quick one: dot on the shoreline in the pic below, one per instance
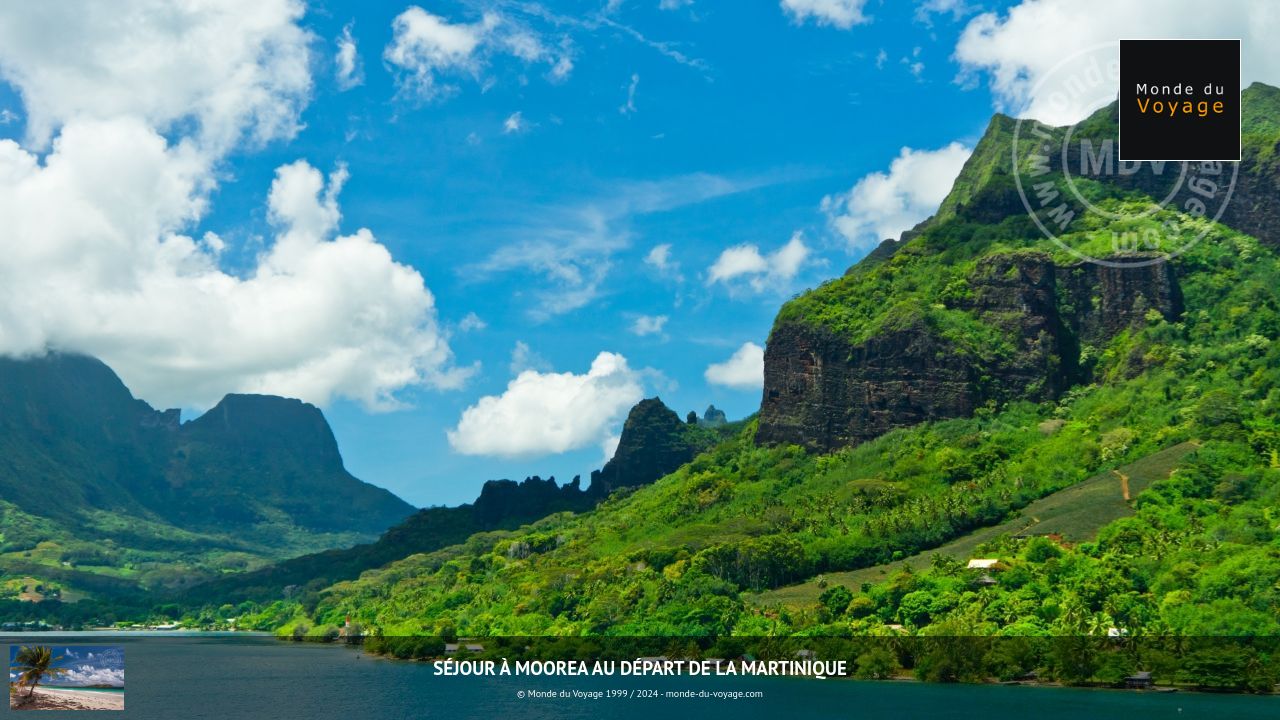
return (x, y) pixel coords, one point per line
(66, 699)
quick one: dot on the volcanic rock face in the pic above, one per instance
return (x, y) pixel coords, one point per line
(654, 442)
(823, 392)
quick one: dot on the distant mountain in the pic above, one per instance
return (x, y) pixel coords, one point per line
(93, 478)
(654, 442)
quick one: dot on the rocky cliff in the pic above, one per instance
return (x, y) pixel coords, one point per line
(823, 391)
(969, 307)
(654, 442)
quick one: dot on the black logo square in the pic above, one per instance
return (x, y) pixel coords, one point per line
(1179, 100)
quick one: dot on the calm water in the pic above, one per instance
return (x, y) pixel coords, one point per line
(229, 678)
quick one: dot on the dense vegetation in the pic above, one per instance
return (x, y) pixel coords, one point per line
(1200, 554)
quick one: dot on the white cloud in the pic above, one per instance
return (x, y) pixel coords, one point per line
(542, 413)
(1018, 50)
(86, 675)
(882, 205)
(513, 124)
(761, 271)
(881, 58)
(7, 116)
(425, 46)
(914, 64)
(843, 14)
(648, 325)
(429, 52)
(673, 4)
(348, 70)
(609, 447)
(235, 68)
(955, 8)
(659, 256)
(95, 255)
(572, 247)
(471, 322)
(744, 370)
(523, 358)
(629, 106)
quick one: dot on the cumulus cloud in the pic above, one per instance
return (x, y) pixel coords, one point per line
(543, 413)
(648, 325)
(843, 14)
(659, 257)
(96, 255)
(761, 271)
(233, 68)
(87, 675)
(744, 370)
(1017, 50)
(471, 322)
(514, 123)
(348, 70)
(429, 52)
(882, 205)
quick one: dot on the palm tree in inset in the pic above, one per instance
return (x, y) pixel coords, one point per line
(32, 663)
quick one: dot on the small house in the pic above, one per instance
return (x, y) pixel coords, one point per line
(983, 563)
(1139, 681)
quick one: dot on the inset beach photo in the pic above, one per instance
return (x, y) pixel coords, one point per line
(66, 677)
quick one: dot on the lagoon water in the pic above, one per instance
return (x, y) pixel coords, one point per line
(241, 677)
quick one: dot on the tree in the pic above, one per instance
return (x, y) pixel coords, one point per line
(32, 663)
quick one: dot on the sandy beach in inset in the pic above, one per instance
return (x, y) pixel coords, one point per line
(62, 699)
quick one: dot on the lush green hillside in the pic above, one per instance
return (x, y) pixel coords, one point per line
(101, 494)
(1196, 552)
(654, 442)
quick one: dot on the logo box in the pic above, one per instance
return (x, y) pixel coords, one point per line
(1180, 100)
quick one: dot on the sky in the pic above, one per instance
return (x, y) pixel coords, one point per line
(82, 665)
(476, 232)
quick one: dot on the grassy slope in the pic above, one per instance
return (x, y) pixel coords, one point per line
(1074, 514)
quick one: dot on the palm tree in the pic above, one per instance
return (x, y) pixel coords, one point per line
(33, 662)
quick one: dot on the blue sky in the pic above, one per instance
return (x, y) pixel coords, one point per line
(632, 186)
(82, 665)
(702, 128)
(792, 113)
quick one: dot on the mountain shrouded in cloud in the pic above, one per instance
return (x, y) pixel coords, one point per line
(97, 255)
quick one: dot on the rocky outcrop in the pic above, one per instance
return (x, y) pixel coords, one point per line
(504, 501)
(713, 417)
(654, 442)
(824, 392)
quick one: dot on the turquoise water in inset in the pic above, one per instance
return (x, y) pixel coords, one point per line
(81, 689)
(239, 678)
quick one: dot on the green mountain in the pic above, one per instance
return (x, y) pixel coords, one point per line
(101, 493)
(942, 386)
(654, 442)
